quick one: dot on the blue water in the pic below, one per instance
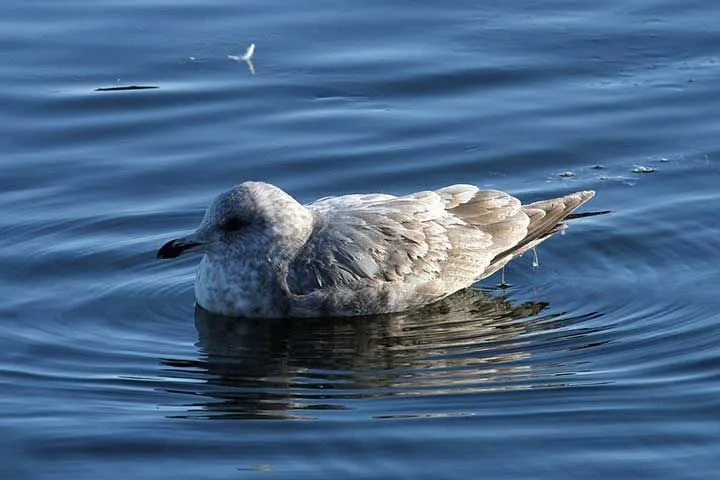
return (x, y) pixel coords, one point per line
(601, 363)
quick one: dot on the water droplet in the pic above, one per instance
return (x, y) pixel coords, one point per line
(503, 284)
(643, 169)
(567, 174)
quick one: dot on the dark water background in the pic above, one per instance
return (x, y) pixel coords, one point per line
(602, 363)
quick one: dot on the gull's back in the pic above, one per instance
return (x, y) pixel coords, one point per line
(371, 254)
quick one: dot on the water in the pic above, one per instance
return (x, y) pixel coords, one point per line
(601, 363)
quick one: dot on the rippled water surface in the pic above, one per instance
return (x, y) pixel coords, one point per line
(601, 363)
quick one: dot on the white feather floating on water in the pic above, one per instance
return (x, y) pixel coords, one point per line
(246, 57)
(249, 52)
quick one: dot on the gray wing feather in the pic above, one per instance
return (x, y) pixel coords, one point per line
(494, 212)
(429, 244)
(359, 240)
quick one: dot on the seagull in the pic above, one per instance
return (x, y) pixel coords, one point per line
(246, 57)
(268, 256)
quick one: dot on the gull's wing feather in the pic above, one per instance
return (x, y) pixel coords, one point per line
(496, 213)
(364, 240)
(390, 253)
(514, 228)
(438, 241)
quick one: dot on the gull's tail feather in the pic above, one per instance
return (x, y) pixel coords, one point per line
(546, 217)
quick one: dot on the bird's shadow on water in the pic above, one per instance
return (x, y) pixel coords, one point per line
(472, 342)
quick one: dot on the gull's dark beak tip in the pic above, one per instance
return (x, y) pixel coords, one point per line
(170, 250)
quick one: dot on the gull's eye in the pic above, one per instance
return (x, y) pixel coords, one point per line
(233, 224)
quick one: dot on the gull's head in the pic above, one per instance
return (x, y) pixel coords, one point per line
(250, 216)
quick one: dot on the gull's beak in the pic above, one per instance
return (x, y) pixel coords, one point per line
(175, 248)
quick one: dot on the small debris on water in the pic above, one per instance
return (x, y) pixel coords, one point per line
(643, 169)
(597, 167)
(257, 468)
(125, 87)
(567, 174)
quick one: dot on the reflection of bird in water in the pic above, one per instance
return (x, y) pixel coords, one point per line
(469, 342)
